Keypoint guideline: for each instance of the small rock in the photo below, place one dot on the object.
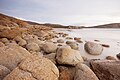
(110, 58)
(64, 35)
(5, 40)
(70, 42)
(34, 40)
(74, 46)
(78, 40)
(105, 45)
(83, 72)
(49, 47)
(55, 42)
(69, 38)
(22, 43)
(32, 47)
(27, 37)
(118, 56)
(66, 55)
(60, 41)
(60, 34)
(97, 40)
(56, 36)
(41, 33)
(17, 38)
(93, 48)
(51, 57)
(59, 44)
(2, 44)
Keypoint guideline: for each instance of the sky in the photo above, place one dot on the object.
(65, 12)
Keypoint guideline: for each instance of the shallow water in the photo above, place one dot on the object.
(106, 36)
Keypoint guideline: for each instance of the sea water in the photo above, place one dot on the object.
(105, 36)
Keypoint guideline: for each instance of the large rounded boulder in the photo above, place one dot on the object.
(66, 55)
(83, 72)
(49, 47)
(106, 69)
(34, 68)
(93, 48)
(12, 55)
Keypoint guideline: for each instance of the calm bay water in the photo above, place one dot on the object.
(94, 33)
(106, 36)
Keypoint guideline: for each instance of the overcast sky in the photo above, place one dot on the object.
(67, 12)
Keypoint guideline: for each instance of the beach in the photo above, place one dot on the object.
(31, 51)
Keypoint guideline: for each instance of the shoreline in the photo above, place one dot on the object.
(52, 52)
(111, 51)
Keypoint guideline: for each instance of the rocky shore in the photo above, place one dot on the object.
(40, 53)
(37, 52)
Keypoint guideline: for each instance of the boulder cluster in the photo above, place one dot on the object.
(32, 54)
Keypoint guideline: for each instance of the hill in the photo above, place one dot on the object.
(11, 21)
(112, 25)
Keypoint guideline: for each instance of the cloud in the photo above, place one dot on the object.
(86, 12)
